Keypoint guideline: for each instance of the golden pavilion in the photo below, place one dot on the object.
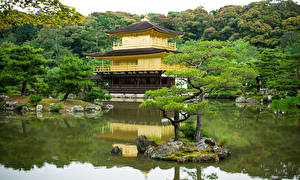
(135, 64)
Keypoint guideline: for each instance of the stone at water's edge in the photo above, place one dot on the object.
(24, 109)
(77, 108)
(92, 107)
(223, 152)
(205, 158)
(4, 98)
(10, 105)
(241, 99)
(116, 151)
(39, 108)
(206, 150)
(165, 150)
(142, 143)
(252, 101)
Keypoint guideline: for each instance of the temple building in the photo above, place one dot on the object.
(135, 64)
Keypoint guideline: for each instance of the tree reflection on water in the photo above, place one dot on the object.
(264, 144)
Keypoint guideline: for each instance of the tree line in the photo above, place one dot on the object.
(266, 32)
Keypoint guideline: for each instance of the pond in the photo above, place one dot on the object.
(264, 145)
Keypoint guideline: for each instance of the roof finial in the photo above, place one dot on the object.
(146, 18)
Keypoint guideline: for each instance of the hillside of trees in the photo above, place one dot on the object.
(265, 33)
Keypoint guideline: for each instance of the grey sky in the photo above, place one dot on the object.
(86, 7)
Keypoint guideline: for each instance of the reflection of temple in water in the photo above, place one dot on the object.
(131, 113)
(124, 131)
(129, 122)
(127, 150)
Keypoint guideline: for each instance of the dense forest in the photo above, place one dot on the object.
(265, 34)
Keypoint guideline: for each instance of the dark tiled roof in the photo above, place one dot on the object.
(128, 52)
(142, 26)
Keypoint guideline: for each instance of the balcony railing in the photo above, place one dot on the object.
(137, 68)
(169, 46)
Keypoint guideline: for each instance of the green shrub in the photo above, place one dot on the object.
(56, 107)
(97, 93)
(285, 103)
(34, 99)
(222, 142)
(98, 103)
(189, 130)
(2, 104)
(19, 107)
(154, 138)
(223, 94)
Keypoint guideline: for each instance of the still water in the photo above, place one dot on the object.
(264, 145)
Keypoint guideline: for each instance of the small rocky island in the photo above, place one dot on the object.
(206, 150)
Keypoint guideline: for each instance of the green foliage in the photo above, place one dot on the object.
(214, 65)
(279, 70)
(72, 76)
(222, 93)
(56, 107)
(97, 93)
(154, 138)
(19, 107)
(286, 103)
(51, 12)
(21, 65)
(34, 99)
(98, 103)
(2, 104)
(222, 142)
(189, 129)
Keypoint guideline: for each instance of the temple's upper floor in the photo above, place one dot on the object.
(144, 35)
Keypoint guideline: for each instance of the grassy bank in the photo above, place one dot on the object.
(68, 104)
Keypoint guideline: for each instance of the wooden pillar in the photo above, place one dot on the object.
(160, 81)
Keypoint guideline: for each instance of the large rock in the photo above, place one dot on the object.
(77, 108)
(142, 143)
(241, 99)
(24, 109)
(206, 150)
(252, 101)
(92, 107)
(109, 106)
(269, 98)
(116, 151)
(52, 104)
(208, 141)
(222, 152)
(10, 105)
(205, 158)
(39, 108)
(4, 98)
(165, 150)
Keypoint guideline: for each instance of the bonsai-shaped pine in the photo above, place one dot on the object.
(175, 105)
(213, 64)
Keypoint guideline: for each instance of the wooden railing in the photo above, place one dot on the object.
(169, 46)
(137, 68)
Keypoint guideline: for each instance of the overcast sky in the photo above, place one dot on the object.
(86, 7)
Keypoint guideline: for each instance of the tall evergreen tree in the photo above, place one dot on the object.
(72, 76)
(21, 65)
